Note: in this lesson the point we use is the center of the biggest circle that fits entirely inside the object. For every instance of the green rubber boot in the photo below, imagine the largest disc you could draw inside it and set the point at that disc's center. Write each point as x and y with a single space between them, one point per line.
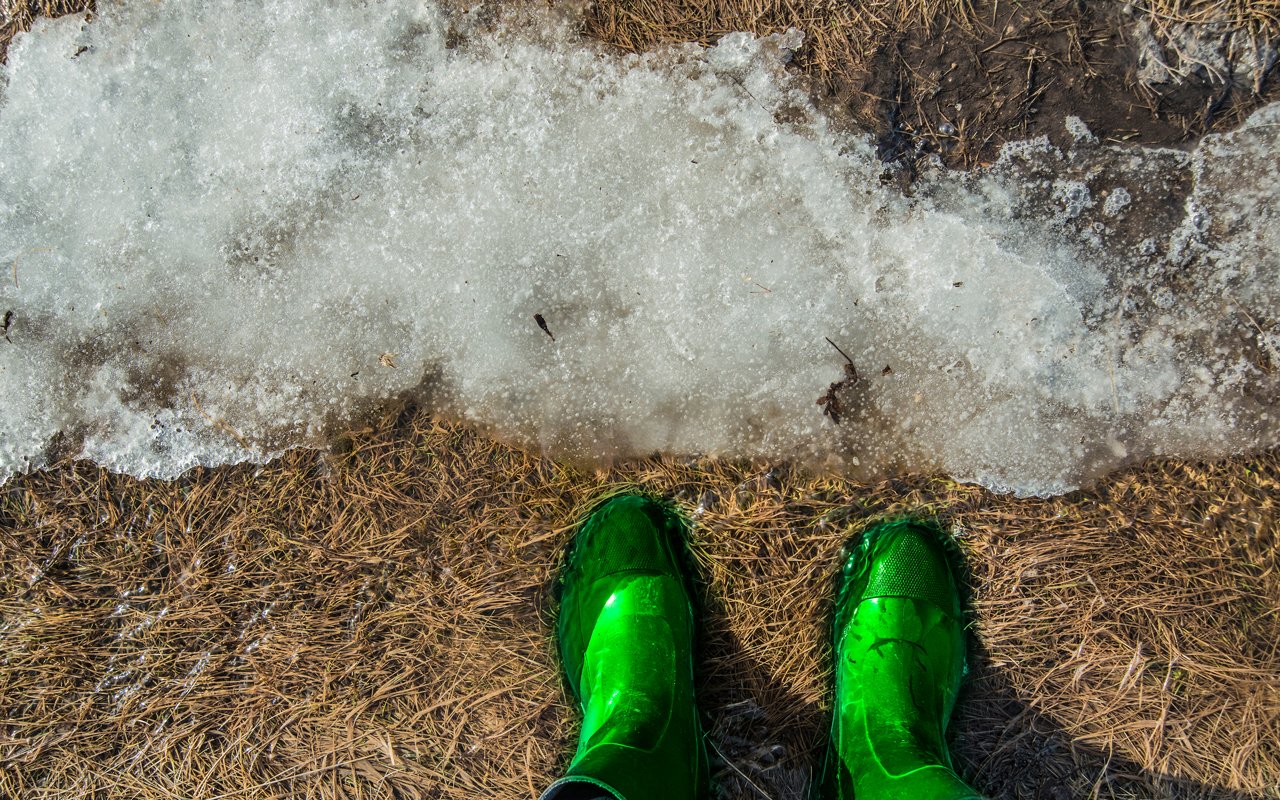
900 656
626 641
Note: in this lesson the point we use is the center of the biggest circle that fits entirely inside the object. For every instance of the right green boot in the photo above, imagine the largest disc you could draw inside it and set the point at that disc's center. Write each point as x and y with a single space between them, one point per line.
626 641
899 658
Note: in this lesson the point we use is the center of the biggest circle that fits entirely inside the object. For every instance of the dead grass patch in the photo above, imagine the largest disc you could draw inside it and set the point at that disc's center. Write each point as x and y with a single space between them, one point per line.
18 15
1260 16
376 623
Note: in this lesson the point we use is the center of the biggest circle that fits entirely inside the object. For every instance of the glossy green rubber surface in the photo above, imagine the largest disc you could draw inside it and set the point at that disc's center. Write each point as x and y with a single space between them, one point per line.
900 657
626 641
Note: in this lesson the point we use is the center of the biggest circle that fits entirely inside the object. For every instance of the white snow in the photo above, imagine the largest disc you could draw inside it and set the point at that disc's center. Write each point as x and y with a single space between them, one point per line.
231 227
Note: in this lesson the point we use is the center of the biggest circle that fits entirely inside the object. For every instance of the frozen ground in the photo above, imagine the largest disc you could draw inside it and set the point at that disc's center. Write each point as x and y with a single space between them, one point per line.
232 227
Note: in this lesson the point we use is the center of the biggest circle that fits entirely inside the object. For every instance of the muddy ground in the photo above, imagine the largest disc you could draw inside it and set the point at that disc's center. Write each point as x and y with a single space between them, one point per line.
962 81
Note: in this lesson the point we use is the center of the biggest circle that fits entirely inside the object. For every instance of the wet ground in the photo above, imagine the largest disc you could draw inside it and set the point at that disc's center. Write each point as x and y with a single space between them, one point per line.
961 87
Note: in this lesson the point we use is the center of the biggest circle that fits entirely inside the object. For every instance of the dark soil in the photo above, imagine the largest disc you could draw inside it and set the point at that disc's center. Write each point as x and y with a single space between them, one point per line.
965 91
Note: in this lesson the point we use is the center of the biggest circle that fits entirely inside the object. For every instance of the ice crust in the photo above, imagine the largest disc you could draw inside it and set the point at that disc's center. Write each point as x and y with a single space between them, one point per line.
233 227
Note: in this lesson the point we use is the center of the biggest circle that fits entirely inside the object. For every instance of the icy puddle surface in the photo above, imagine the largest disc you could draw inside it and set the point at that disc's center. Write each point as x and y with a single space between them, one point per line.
227 228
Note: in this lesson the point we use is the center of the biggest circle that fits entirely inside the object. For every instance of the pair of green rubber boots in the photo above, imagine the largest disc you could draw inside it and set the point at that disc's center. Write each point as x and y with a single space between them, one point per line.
626 633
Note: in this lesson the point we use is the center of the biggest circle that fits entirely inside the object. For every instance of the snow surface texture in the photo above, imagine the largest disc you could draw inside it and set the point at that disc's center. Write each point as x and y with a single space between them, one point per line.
1214 52
233 227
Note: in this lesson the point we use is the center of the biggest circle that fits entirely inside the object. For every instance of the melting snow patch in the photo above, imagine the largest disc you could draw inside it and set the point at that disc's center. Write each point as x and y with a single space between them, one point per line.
1079 131
1116 201
232 226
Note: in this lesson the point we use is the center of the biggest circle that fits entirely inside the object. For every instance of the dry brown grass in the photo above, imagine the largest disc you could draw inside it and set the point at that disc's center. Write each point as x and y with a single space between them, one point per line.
841 37
21 13
1261 16
375 623
18 15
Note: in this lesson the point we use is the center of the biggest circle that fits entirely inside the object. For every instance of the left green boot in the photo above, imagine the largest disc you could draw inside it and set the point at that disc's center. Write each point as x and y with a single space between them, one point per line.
626 641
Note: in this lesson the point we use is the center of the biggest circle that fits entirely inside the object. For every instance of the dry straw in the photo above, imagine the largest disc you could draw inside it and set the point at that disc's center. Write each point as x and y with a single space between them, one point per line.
375 623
